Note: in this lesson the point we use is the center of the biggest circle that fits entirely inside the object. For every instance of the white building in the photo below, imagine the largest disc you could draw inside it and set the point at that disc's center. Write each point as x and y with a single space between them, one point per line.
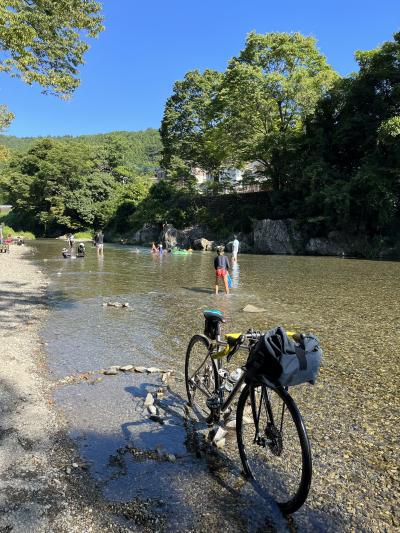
231 176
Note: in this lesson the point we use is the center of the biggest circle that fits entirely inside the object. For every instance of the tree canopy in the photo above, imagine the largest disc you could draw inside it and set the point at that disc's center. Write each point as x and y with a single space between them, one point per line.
268 91
43 41
189 129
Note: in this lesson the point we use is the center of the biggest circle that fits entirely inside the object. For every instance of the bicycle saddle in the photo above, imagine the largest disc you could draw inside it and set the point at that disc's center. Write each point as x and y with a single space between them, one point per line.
214 315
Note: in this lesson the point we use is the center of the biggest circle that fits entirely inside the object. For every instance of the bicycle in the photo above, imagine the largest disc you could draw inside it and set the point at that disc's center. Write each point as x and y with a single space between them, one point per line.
274 449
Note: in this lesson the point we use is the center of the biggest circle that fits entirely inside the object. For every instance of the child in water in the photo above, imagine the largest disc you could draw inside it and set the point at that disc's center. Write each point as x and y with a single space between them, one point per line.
222 267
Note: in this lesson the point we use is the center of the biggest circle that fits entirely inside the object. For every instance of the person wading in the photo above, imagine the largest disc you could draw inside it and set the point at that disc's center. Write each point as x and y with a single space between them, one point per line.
222 267
235 249
99 242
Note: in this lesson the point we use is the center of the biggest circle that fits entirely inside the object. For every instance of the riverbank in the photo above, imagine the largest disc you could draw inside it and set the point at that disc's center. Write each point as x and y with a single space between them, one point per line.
271 237
44 486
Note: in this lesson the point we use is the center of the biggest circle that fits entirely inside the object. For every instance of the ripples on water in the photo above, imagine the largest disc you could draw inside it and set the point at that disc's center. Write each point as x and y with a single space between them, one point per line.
352 306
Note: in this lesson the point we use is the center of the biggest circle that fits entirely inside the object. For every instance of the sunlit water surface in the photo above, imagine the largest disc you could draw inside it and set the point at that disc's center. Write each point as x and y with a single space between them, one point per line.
353 306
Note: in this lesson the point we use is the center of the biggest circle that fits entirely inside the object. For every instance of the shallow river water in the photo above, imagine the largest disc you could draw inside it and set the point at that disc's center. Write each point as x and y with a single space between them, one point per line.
351 414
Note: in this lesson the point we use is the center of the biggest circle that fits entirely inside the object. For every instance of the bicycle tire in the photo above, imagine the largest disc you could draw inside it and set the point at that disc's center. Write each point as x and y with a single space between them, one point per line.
201 375
286 477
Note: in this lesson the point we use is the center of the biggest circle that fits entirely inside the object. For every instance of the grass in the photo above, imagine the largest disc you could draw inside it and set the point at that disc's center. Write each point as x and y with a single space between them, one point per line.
83 235
8 230
27 235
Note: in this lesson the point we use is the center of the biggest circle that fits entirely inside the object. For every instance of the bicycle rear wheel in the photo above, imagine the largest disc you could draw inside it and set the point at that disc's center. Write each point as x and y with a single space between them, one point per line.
201 376
274 446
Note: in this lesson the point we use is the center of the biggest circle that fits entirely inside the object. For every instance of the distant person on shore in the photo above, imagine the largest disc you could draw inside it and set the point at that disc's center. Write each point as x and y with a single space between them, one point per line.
160 249
222 267
1 234
99 242
154 248
235 249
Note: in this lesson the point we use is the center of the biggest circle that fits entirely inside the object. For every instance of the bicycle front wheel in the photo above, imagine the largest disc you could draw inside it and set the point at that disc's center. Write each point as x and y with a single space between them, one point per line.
201 375
274 446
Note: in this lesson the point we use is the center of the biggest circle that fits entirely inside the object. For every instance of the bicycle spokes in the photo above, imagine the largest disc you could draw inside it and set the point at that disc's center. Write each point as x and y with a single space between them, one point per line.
274 448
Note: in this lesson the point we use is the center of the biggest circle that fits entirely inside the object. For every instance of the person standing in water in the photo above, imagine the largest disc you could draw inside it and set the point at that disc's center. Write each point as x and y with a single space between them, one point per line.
71 240
99 242
222 267
235 249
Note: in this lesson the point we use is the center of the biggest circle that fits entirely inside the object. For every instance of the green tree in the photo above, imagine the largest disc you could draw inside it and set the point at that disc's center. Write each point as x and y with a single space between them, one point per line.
352 143
58 187
42 41
268 92
189 129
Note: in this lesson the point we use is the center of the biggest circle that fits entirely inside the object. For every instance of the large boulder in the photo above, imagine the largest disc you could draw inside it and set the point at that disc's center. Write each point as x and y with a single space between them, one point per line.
172 237
169 236
323 246
146 235
203 244
276 237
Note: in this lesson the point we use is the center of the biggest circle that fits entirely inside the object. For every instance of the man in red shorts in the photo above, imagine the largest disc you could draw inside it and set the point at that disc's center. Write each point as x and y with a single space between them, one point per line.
222 267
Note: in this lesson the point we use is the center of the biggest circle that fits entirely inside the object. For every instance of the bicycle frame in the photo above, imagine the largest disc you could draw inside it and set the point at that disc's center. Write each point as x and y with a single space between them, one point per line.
239 383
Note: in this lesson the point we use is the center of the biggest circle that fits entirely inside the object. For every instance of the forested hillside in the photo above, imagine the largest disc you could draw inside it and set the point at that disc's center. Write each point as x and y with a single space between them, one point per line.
140 149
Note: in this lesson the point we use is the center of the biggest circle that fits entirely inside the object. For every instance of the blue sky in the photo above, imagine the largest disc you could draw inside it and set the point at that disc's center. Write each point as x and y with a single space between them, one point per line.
130 69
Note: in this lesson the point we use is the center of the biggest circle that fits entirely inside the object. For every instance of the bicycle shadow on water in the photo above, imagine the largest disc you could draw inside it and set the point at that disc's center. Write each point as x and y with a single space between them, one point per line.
170 468
172 456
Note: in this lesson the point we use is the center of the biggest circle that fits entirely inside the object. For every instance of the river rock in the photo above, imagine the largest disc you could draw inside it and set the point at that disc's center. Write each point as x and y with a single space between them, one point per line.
111 371
231 424
152 409
116 304
220 443
149 400
220 434
322 246
169 236
249 308
203 244
165 377
146 235
171 457
153 370
126 368
276 237
140 369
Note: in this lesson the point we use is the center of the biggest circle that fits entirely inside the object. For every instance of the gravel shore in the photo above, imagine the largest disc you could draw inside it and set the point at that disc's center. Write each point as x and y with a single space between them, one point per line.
43 485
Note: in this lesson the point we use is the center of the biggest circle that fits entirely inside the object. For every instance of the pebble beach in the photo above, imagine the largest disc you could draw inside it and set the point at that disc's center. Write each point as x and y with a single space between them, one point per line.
43 486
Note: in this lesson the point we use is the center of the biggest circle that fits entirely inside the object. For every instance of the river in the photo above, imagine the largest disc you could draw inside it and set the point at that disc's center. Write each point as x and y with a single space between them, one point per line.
351 413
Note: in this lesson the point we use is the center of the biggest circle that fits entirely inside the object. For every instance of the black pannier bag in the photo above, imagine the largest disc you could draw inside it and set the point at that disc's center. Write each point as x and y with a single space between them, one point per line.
279 361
